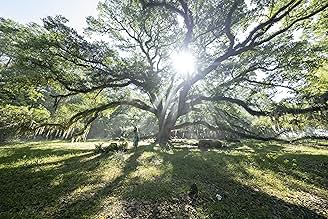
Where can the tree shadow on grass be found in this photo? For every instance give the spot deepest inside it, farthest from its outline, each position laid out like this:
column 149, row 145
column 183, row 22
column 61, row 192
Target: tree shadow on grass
column 165, row 195
column 28, row 153
column 33, row 179
column 310, row 168
column 29, row 193
column 211, row 172
column 314, row 168
column 259, row 147
column 92, row 205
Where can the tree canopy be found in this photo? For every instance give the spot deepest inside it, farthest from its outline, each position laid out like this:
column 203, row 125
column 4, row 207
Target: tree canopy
column 245, row 53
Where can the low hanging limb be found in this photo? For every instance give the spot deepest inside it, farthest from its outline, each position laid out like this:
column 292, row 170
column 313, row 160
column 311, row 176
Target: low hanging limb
column 225, row 128
column 222, row 127
column 93, row 114
column 279, row 110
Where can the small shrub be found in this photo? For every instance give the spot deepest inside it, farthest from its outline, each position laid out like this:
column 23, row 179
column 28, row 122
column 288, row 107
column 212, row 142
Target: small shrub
column 111, row 147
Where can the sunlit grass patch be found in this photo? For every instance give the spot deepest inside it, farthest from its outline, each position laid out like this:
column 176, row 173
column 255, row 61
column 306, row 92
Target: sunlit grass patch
column 146, row 173
column 245, row 148
column 150, row 158
column 255, row 179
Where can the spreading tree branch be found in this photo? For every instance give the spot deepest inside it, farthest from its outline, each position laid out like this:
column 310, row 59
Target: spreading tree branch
column 221, row 127
column 185, row 13
column 279, row 110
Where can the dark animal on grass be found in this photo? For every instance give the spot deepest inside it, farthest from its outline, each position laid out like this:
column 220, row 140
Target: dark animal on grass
column 207, row 144
column 193, row 193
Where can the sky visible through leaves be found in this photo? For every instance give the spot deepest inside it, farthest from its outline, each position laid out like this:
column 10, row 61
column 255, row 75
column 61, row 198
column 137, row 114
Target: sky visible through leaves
column 26, row 11
column 76, row 11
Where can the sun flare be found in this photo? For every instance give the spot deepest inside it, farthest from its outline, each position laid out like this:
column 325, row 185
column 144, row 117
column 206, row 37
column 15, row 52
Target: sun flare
column 183, row 62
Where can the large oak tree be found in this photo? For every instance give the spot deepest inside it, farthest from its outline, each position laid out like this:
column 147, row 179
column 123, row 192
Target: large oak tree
column 245, row 52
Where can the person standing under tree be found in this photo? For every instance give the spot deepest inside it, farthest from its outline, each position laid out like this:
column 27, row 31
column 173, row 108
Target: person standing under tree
column 135, row 137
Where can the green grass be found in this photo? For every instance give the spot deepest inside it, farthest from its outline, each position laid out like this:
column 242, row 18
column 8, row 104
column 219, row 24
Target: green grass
column 256, row 179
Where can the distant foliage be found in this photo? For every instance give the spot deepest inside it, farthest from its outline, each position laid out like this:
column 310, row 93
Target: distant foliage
column 18, row 121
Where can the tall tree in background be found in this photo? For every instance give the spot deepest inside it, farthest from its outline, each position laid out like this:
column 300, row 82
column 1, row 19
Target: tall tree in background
column 243, row 52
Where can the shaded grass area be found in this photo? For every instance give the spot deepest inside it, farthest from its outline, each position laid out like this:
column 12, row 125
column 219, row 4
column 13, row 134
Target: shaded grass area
column 255, row 179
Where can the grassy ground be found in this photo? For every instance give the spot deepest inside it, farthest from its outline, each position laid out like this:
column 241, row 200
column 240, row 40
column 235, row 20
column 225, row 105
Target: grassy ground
column 256, row 180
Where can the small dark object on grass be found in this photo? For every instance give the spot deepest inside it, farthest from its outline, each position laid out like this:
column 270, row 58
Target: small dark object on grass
column 206, row 144
column 193, row 193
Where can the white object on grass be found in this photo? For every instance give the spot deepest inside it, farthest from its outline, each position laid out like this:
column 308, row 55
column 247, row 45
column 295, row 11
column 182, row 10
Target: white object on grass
column 218, row 197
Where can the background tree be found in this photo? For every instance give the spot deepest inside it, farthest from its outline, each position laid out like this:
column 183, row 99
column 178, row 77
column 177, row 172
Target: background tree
column 233, row 43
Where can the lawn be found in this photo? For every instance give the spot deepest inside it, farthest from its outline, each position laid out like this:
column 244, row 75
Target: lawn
column 57, row 179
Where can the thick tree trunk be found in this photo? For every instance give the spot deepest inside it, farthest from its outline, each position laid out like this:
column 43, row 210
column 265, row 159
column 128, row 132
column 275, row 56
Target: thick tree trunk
column 167, row 118
column 164, row 133
column 163, row 137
